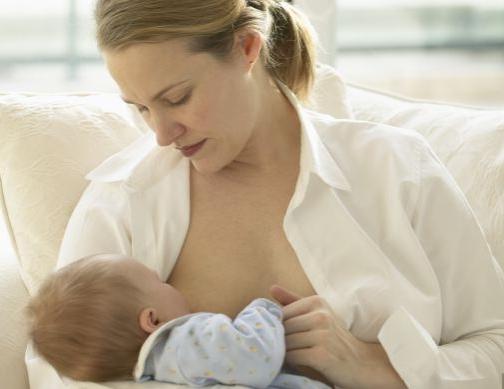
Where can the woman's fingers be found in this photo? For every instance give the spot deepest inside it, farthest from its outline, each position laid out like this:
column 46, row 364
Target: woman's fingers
column 297, row 324
column 304, row 306
column 301, row 357
column 283, row 296
column 301, row 340
column 306, row 322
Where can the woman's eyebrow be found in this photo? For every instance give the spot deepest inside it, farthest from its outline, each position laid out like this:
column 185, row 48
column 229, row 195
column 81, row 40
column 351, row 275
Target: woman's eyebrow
column 159, row 94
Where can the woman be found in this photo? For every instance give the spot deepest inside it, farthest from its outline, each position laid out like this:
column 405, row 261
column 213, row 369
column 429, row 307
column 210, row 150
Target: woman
column 386, row 278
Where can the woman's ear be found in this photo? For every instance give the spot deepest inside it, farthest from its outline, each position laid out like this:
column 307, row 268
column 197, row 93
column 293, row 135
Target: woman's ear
column 148, row 320
column 249, row 44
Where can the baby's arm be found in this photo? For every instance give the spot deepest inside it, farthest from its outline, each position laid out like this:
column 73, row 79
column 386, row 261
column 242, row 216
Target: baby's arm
column 249, row 350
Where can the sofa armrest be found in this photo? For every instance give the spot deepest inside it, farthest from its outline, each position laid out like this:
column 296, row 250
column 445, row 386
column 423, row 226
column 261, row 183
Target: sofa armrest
column 13, row 334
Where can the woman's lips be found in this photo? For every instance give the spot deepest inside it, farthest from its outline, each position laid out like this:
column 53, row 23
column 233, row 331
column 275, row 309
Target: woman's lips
column 189, row 146
column 188, row 151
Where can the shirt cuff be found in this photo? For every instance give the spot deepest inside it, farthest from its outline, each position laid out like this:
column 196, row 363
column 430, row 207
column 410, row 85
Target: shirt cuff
column 410, row 348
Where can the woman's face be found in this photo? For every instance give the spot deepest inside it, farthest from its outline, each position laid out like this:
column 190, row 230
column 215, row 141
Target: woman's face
column 190, row 99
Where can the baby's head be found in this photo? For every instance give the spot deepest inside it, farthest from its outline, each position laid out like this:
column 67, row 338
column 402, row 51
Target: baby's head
column 90, row 318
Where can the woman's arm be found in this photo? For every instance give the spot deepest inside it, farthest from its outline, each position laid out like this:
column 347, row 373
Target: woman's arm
column 471, row 350
column 317, row 341
column 100, row 223
column 471, row 284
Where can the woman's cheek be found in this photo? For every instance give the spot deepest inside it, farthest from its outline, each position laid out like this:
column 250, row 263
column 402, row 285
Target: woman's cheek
column 203, row 119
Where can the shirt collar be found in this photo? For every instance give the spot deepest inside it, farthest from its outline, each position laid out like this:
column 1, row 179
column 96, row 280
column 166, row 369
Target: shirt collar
column 315, row 157
column 153, row 339
column 144, row 162
column 120, row 166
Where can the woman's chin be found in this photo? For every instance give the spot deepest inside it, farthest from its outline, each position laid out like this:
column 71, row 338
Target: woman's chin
column 205, row 167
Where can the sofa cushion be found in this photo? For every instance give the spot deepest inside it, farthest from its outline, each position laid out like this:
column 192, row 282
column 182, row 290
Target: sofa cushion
column 47, row 144
column 13, row 324
column 469, row 141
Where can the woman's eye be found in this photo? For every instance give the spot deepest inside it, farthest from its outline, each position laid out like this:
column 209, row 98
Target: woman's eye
column 183, row 100
column 142, row 109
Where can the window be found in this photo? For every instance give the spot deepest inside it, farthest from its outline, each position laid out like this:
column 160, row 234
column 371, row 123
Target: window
column 451, row 50
column 435, row 49
column 49, row 46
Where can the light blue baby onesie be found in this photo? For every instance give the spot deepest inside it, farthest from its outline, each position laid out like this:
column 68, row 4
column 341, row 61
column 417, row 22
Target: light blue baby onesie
column 203, row 349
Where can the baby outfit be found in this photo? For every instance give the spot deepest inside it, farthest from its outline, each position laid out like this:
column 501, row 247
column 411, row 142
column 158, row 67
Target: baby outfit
column 202, row 349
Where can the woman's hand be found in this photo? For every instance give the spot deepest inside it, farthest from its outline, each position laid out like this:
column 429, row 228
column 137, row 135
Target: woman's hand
column 316, row 337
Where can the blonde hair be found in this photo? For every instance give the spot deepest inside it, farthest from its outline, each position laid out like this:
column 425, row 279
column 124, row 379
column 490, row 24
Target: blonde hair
column 289, row 40
column 84, row 321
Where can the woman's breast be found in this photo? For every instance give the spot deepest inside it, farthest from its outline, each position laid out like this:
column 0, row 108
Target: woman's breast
column 235, row 247
column 223, row 268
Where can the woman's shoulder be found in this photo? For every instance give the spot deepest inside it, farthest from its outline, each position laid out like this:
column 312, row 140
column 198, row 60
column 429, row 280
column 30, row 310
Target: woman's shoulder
column 362, row 147
column 141, row 163
column 348, row 129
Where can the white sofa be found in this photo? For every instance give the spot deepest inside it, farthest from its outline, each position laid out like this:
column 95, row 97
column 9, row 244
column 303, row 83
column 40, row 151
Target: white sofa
column 469, row 141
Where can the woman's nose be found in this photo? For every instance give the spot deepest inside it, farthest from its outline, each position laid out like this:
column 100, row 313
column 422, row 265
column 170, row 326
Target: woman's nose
column 167, row 131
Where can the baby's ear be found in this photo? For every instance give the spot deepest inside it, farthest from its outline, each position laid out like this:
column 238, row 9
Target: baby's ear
column 148, row 320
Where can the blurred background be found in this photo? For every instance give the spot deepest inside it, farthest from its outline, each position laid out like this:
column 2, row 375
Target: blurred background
column 445, row 50
column 449, row 50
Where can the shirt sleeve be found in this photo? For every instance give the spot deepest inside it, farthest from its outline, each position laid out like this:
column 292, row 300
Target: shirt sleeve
column 247, row 351
column 471, row 350
column 100, row 223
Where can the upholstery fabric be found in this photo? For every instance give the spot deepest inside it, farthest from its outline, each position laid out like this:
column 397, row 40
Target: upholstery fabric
column 12, row 322
column 47, row 144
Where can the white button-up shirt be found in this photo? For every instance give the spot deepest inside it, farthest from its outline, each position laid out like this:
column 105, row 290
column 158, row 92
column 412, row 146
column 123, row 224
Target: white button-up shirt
column 378, row 224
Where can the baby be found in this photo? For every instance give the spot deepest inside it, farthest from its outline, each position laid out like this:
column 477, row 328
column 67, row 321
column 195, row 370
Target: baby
column 109, row 317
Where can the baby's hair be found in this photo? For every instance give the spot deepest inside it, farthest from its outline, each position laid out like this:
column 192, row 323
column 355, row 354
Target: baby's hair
column 84, row 321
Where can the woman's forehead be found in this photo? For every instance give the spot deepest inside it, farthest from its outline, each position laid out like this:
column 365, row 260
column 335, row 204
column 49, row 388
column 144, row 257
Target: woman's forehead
column 142, row 69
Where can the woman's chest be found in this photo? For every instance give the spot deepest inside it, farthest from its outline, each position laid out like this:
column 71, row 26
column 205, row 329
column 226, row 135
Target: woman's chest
column 235, row 249
column 237, row 246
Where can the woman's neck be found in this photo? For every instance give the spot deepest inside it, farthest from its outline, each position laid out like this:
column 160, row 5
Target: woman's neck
column 274, row 145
